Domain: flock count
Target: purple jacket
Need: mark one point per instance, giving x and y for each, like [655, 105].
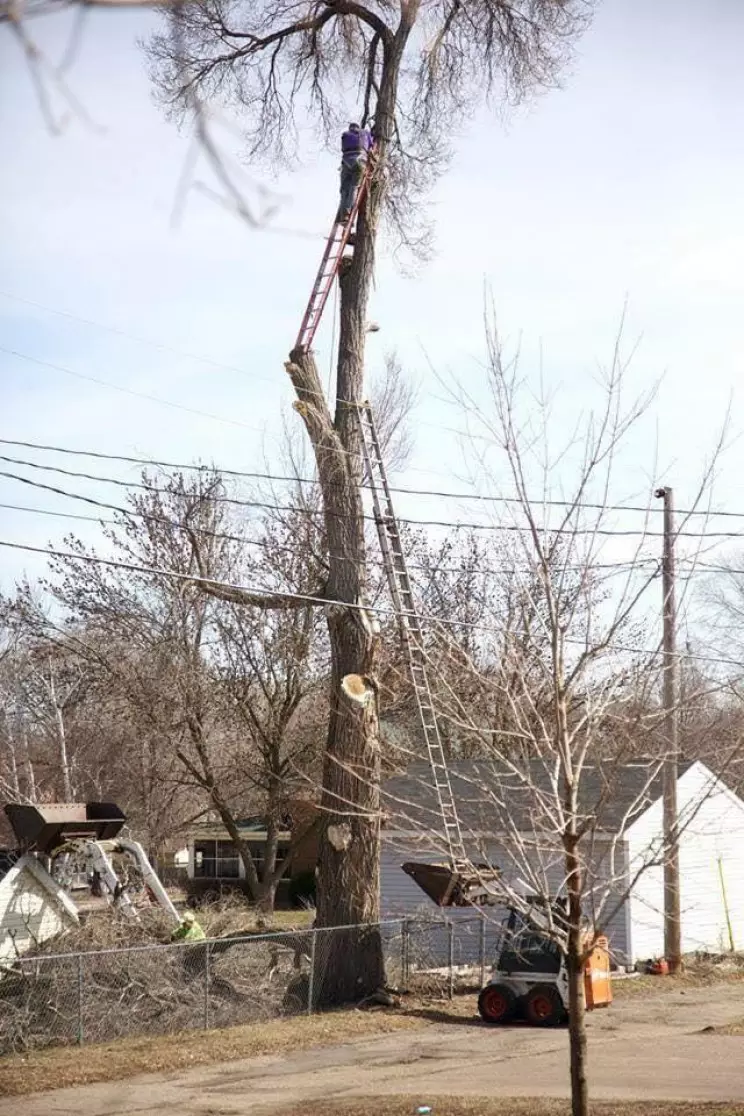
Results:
[355, 146]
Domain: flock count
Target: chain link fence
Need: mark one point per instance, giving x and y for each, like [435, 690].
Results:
[99, 996]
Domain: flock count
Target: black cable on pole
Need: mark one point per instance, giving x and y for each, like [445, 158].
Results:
[293, 479]
[308, 598]
[604, 532]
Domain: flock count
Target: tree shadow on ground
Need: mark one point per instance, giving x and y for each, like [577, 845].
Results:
[441, 1015]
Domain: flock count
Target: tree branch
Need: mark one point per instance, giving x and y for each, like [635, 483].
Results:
[242, 596]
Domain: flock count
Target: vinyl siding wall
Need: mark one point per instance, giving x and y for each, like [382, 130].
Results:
[401, 897]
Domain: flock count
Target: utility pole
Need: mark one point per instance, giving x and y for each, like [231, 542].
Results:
[672, 913]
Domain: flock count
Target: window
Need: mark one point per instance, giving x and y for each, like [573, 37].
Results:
[216, 860]
[227, 861]
[204, 859]
[526, 950]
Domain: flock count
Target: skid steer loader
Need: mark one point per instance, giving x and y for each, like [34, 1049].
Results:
[67, 839]
[530, 978]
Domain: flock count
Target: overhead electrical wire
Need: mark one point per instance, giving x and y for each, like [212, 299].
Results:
[162, 347]
[312, 599]
[294, 479]
[219, 418]
[434, 568]
[128, 391]
[606, 532]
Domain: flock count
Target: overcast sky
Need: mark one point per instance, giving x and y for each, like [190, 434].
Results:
[626, 183]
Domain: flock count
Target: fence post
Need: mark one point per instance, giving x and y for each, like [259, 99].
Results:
[404, 932]
[80, 1033]
[311, 978]
[207, 978]
[483, 950]
[451, 957]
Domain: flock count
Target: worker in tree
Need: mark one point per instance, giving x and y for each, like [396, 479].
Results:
[189, 930]
[356, 147]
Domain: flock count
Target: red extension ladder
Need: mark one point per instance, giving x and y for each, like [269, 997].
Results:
[329, 265]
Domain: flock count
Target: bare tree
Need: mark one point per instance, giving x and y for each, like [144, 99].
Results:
[417, 66]
[577, 753]
[214, 692]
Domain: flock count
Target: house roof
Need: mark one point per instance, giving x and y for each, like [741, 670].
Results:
[213, 831]
[492, 799]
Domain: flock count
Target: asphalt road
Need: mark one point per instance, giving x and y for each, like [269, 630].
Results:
[645, 1048]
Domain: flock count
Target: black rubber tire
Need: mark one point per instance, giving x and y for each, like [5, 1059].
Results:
[543, 1007]
[497, 1004]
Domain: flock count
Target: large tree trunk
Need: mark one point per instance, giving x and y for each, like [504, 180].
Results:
[576, 999]
[349, 965]
[59, 720]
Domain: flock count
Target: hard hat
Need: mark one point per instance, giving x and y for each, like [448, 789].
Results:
[188, 916]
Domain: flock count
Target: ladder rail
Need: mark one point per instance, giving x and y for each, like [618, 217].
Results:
[308, 325]
[399, 582]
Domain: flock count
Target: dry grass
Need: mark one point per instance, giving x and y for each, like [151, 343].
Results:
[736, 1028]
[481, 1106]
[42, 1070]
[695, 975]
[60, 1067]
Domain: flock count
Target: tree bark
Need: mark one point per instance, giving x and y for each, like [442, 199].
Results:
[30, 774]
[61, 737]
[576, 999]
[13, 765]
[349, 965]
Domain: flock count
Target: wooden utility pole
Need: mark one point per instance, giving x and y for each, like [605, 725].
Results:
[672, 914]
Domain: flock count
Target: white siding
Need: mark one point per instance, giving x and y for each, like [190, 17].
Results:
[30, 911]
[401, 897]
[711, 843]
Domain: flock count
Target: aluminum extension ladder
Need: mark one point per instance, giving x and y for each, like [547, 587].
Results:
[400, 588]
[328, 270]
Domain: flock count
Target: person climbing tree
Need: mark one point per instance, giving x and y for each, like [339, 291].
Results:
[356, 148]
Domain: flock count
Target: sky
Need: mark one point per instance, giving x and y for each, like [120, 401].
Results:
[620, 189]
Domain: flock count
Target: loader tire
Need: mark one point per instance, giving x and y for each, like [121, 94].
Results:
[543, 1006]
[496, 1003]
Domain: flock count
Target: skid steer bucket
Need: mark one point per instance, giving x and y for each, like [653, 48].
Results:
[448, 886]
[44, 828]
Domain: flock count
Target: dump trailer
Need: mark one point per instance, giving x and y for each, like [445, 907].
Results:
[530, 978]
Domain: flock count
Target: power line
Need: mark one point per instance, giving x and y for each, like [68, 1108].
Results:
[311, 599]
[295, 479]
[161, 346]
[128, 391]
[235, 422]
[432, 569]
[168, 402]
[458, 525]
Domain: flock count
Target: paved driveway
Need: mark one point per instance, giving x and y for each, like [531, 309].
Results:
[649, 1048]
